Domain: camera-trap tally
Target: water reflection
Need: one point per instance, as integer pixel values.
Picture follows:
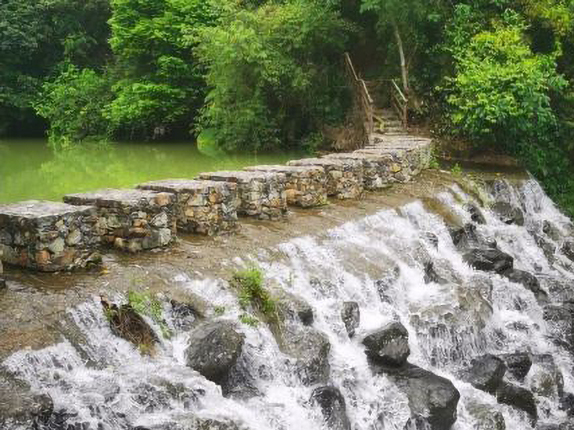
(30, 170)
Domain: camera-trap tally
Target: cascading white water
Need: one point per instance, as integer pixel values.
(379, 262)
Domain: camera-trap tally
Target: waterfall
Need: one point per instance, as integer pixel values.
(98, 381)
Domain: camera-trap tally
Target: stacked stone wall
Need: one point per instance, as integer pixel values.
(132, 220)
(49, 236)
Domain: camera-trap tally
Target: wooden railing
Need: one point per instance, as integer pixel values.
(362, 97)
(400, 103)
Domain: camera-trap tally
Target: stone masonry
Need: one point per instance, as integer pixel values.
(306, 186)
(259, 194)
(376, 168)
(132, 220)
(202, 207)
(48, 236)
(344, 177)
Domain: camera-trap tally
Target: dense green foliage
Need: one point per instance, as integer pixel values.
(274, 73)
(249, 75)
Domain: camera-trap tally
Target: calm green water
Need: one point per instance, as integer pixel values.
(30, 170)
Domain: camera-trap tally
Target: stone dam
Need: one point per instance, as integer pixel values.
(51, 236)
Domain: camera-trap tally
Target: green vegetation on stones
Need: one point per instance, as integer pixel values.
(252, 292)
(147, 304)
(249, 320)
(219, 310)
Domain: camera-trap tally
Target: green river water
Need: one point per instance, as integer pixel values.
(30, 170)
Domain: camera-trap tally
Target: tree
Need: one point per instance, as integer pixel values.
(273, 72)
(159, 83)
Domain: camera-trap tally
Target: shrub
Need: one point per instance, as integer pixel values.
(73, 104)
(252, 292)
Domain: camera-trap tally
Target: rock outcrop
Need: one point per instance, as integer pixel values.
(486, 373)
(351, 316)
(388, 346)
(332, 405)
(489, 260)
(213, 350)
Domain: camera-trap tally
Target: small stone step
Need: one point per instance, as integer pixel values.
(203, 207)
(260, 194)
(48, 236)
(305, 186)
(132, 220)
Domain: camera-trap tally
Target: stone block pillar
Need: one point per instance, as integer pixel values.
(259, 194)
(48, 236)
(203, 207)
(132, 220)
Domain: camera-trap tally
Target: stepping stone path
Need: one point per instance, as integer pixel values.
(202, 207)
(132, 220)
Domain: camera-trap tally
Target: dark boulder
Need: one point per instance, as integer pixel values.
(213, 350)
(332, 404)
(351, 316)
(310, 348)
(389, 346)
(560, 319)
(476, 214)
(567, 404)
(240, 381)
(468, 237)
(508, 214)
(529, 281)
(20, 407)
(295, 308)
(489, 260)
(2, 283)
(486, 373)
(518, 364)
(430, 396)
(518, 397)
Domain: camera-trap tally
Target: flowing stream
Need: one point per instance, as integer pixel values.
(104, 383)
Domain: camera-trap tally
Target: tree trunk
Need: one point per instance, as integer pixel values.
(404, 69)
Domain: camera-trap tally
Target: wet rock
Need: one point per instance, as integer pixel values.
(430, 238)
(213, 350)
(468, 237)
(431, 276)
(551, 230)
(430, 396)
(184, 315)
(560, 319)
(508, 214)
(311, 350)
(567, 404)
(519, 398)
(485, 418)
(476, 214)
(518, 364)
(126, 323)
(529, 281)
(489, 260)
(386, 283)
(19, 406)
(351, 316)
(2, 283)
(193, 423)
(547, 248)
(417, 423)
(546, 378)
(332, 404)
(568, 250)
(389, 346)
(486, 373)
(293, 307)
